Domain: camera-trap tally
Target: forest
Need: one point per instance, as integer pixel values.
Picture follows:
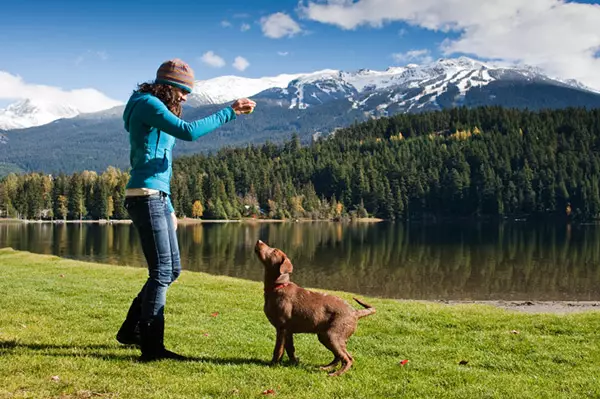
(457, 163)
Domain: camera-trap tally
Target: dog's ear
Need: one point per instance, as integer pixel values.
(286, 266)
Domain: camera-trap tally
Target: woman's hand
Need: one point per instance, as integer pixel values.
(243, 106)
(174, 219)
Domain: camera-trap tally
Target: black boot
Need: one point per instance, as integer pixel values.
(152, 335)
(129, 333)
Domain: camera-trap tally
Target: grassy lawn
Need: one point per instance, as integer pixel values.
(59, 318)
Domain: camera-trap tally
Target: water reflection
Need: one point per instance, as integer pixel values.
(517, 261)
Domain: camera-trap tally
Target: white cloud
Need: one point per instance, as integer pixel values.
(279, 25)
(560, 37)
(213, 60)
(240, 63)
(245, 27)
(95, 55)
(283, 53)
(13, 88)
(226, 24)
(422, 56)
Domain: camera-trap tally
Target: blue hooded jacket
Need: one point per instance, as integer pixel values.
(152, 132)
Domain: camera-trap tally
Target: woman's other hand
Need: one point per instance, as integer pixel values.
(174, 219)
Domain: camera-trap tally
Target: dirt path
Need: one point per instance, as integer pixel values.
(557, 307)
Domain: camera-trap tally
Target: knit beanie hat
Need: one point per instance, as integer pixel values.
(176, 73)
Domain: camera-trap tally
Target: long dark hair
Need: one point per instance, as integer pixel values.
(164, 93)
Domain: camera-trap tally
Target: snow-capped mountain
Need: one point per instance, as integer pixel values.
(228, 88)
(410, 88)
(309, 105)
(35, 112)
(28, 113)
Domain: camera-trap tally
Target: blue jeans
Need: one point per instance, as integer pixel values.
(152, 219)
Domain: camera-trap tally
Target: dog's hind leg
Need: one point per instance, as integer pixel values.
(324, 339)
(289, 347)
(331, 365)
(336, 343)
(345, 356)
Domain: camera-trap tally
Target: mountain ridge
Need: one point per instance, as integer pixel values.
(303, 90)
(310, 106)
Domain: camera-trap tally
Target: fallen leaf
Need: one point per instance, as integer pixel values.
(205, 334)
(515, 332)
(235, 391)
(62, 275)
(86, 394)
(403, 362)
(23, 325)
(463, 362)
(215, 314)
(269, 392)
(55, 378)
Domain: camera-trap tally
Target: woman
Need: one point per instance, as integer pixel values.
(152, 118)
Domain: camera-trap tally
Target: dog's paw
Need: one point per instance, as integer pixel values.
(295, 361)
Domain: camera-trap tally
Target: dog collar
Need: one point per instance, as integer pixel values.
(278, 287)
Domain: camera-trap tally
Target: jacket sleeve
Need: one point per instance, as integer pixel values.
(156, 114)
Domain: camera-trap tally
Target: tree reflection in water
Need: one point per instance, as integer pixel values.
(511, 261)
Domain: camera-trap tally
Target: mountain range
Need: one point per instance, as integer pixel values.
(32, 112)
(309, 105)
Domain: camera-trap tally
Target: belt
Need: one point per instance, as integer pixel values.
(140, 192)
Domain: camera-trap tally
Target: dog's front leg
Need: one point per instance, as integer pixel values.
(279, 346)
(289, 347)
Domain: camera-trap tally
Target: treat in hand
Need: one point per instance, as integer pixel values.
(243, 106)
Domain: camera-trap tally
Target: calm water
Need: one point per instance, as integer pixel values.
(518, 261)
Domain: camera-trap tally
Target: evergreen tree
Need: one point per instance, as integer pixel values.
(118, 198)
(76, 203)
(100, 207)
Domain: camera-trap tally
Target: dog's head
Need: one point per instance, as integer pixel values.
(277, 265)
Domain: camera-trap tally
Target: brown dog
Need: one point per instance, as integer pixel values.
(292, 309)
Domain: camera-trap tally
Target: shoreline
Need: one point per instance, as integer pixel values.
(531, 307)
(188, 221)
(555, 307)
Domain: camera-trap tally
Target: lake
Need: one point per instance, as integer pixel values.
(466, 261)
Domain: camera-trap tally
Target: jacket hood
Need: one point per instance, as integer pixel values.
(133, 100)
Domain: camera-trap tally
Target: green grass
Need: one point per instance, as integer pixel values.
(59, 318)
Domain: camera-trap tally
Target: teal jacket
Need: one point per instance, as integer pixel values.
(152, 132)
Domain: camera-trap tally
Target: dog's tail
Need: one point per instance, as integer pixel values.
(369, 310)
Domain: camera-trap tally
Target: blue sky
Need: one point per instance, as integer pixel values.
(111, 45)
